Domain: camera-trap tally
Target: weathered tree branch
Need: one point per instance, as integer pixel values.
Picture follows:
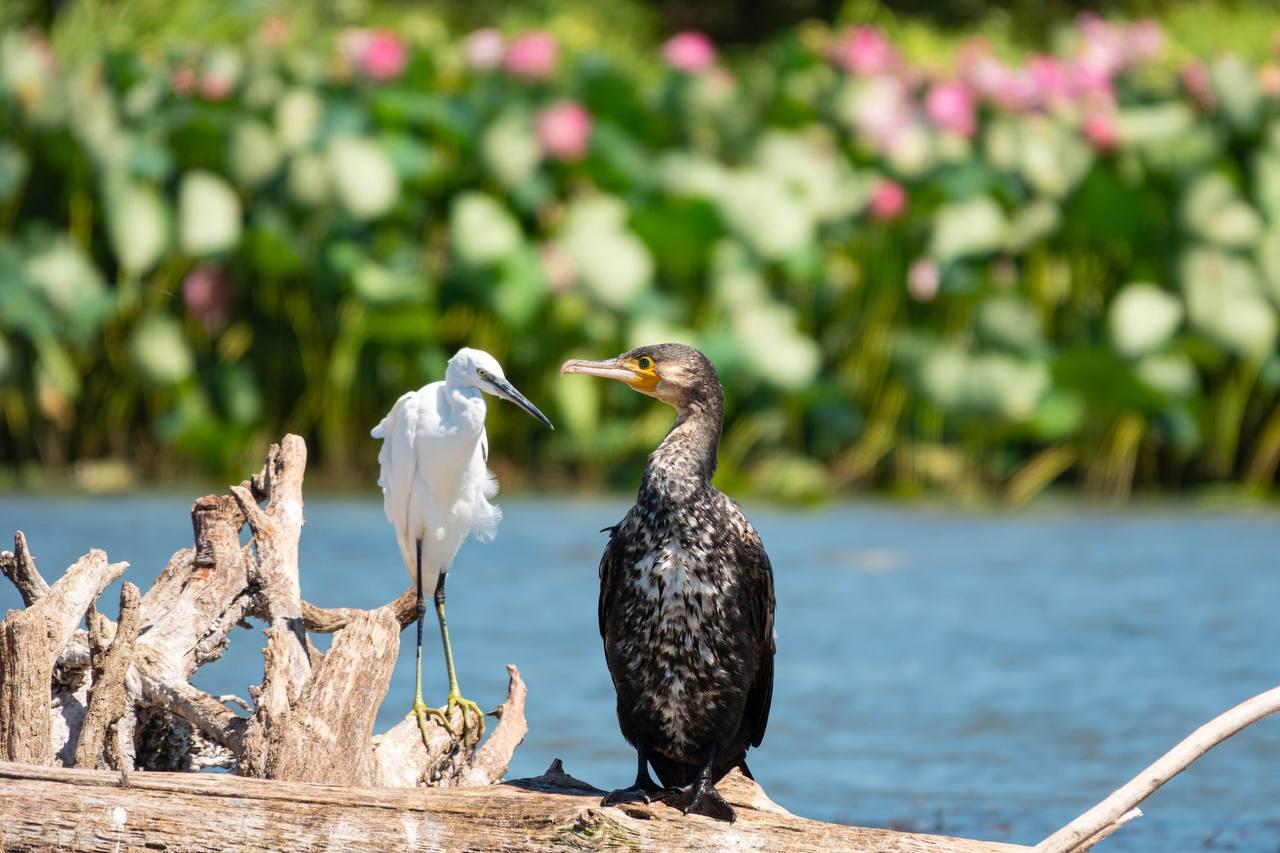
(276, 531)
(328, 620)
(1085, 830)
(20, 567)
(30, 641)
(107, 701)
(403, 761)
(329, 738)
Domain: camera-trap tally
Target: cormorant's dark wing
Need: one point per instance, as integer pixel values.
(609, 572)
(754, 562)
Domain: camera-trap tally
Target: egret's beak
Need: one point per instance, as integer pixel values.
(507, 391)
(610, 368)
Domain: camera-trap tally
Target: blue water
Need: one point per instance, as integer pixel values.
(982, 675)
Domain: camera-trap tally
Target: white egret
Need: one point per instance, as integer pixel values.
(437, 489)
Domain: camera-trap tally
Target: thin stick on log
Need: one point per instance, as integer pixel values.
(30, 641)
(1124, 820)
(107, 701)
(1075, 835)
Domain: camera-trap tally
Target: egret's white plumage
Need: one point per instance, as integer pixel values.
(437, 489)
(435, 482)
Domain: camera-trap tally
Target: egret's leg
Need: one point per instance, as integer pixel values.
(420, 709)
(455, 695)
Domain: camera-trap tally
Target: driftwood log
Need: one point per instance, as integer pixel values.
(90, 810)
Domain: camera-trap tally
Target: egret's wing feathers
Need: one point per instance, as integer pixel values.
(398, 467)
(482, 488)
(755, 563)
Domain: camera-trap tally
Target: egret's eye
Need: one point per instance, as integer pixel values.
(484, 374)
(645, 362)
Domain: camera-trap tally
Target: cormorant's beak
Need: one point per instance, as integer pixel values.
(610, 368)
(507, 391)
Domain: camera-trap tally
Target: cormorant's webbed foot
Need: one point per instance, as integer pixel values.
(701, 797)
(643, 790)
(637, 793)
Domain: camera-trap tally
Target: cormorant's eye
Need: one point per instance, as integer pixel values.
(644, 363)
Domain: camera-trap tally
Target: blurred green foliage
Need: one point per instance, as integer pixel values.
(981, 272)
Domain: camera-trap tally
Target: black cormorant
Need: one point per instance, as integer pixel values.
(686, 598)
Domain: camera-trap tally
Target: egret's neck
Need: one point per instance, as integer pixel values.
(686, 460)
(466, 404)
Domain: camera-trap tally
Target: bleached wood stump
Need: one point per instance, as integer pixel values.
(121, 696)
(308, 774)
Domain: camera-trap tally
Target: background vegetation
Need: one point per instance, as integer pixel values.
(976, 253)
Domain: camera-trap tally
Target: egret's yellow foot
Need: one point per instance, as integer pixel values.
(421, 710)
(457, 700)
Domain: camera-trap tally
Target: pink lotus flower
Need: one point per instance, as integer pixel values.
(1017, 91)
(183, 80)
(923, 279)
(384, 56)
(557, 266)
(689, 52)
(1089, 80)
(532, 55)
(1194, 77)
(564, 129)
(949, 105)
(1104, 47)
(1269, 79)
(378, 54)
(485, 49)
(214, 87)
(275, 30)
(881, 111)
(1053, 79)
(978, 66)
(863, 51)
(888, 200)
(1100, 129)
(1146, 40)
(208, 295)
